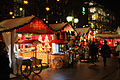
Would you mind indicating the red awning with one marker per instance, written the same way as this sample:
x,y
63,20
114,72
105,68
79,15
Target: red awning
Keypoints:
x,y
36,26
28,42
58,41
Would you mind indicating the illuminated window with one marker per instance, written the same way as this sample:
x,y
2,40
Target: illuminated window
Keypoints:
x,y
91,3
92,10
95,16
18,1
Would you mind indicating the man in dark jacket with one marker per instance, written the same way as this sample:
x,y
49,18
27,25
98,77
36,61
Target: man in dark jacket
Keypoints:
x,y
4,63
93,52
105,52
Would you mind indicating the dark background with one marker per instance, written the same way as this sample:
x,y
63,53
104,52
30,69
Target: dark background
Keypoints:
x,y
61,10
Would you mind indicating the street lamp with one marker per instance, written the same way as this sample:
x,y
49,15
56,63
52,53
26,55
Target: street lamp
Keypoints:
x,y
72,19
76,20
21,9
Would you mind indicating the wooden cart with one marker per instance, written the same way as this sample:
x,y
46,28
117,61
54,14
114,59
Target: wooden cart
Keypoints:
x,y
31,64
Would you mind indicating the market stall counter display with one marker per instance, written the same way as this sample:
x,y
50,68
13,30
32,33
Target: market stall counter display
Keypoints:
x,y
31,63
59,57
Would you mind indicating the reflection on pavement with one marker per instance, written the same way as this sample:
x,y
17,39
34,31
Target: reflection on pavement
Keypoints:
x,y
36,77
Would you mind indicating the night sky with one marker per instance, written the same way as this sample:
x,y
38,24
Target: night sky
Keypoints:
x,y
113,5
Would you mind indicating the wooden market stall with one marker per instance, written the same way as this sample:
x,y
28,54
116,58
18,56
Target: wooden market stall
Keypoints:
x,y
26,29
36,30
111,38
59,57
33,28
8,32
61,44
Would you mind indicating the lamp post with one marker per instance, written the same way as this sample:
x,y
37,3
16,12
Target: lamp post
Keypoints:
x,y
70,36
76,20
73,20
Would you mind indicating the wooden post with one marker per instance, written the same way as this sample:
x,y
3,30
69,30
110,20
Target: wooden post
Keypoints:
x,y
65,36
12,34
12,54
60,35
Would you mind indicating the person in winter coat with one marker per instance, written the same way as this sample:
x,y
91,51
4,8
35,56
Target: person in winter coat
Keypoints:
x,y
4,63
105,52
93,52
118,51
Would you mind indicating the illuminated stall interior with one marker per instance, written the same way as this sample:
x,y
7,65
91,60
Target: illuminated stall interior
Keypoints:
x,y
111,39
37,30
32,28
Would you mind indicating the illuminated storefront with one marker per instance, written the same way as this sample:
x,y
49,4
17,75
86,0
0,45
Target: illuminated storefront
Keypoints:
x,y
32,28
111,39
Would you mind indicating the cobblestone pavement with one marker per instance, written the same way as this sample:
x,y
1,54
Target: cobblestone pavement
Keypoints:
x,y
80,71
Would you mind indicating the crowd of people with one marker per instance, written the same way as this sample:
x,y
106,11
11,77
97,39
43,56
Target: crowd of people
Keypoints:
x,y
91,50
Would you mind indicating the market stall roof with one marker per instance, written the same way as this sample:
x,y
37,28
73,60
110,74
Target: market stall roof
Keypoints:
x,y
10,24
82,30
62,27
58,41
118,30
108,35
30,24
27,42
36,26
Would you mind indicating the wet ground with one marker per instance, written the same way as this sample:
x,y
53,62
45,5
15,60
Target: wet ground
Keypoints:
x,y
80,71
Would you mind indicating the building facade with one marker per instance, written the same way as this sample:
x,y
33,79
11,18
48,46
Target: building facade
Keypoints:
x,y
99,17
